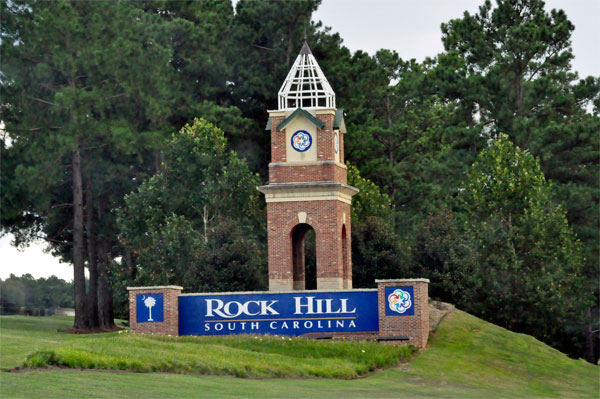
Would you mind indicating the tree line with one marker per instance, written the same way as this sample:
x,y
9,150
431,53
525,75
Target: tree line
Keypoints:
x,y
478,167
38,297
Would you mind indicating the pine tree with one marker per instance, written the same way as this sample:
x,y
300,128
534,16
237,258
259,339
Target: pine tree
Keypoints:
x,y
529,267
73,104
510,65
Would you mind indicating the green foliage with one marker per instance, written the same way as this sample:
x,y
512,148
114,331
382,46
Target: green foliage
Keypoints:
x,y
86,88
405,137
369,201
266,38
529,260
505,181
444,255
263,40
198,221
377,251
510,65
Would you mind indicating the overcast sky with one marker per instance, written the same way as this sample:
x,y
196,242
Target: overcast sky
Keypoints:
x,y
410,27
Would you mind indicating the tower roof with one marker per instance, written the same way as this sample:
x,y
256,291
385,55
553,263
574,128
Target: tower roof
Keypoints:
x,y
305,85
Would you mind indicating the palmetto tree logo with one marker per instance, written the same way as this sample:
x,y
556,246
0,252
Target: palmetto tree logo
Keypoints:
x,y
150,302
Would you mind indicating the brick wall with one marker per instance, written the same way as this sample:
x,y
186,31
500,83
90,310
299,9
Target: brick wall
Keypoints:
x,y
325,140
415,327
341,149
170,323
285,173
325,144
277,140
327,219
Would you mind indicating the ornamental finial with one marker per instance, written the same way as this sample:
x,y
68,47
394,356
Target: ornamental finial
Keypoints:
x,y
305,85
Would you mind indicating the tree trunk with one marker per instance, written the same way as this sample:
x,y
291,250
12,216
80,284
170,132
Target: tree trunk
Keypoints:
x,y
130,265
205,222
105,296
519,101
81,321
92,302
589,337
290,44
390,142
520,66
158,158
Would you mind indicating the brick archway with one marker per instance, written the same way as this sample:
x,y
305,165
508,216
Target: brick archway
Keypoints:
x,y
345,263
298,236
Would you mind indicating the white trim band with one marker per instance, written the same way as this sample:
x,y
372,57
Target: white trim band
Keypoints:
x,y
404,280
157,287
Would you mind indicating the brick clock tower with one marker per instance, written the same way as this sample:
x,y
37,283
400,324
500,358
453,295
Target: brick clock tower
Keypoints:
x,y
307,182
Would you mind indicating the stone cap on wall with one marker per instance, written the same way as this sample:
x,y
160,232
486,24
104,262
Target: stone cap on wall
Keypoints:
x,y
404,280
156,287
278,292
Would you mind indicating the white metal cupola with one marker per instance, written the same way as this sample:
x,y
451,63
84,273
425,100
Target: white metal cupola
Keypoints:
x,y
305,85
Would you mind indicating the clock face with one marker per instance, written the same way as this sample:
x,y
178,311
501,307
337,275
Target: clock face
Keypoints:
x,y
336,142
301,140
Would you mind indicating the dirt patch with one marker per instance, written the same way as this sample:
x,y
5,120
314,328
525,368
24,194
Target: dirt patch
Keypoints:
x,y
91,331
437,311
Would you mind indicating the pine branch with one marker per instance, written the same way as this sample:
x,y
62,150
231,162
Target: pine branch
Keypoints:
x,y
261,47
41,101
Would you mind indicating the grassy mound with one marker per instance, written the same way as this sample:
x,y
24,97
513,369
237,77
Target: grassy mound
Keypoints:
x,y
466,358
239,356
467,351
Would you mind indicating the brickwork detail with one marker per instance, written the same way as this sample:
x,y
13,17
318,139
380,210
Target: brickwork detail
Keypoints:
x,y
341,147
327,220
278,142
284,173
415,327
325,139
330,219
170,323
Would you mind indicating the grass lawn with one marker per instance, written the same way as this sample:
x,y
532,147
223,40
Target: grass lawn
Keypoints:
x,y
466,358
238,356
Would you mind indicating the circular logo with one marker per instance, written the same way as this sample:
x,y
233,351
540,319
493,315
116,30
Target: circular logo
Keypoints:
x,y
399,301
336,142
301,140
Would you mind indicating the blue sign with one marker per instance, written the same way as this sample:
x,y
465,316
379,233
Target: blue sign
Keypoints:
x,y
284,314
399,301
149,308
301,141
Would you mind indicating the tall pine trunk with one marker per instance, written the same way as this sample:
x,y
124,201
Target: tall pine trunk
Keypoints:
x,y
129,263
92,301
105,296
81,321
589,337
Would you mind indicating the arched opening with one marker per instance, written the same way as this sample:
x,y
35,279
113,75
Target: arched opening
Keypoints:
x,y
304,257
345,257
310,260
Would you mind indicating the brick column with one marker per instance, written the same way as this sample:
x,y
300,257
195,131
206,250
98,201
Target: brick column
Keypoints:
x,y
169,325
412,322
